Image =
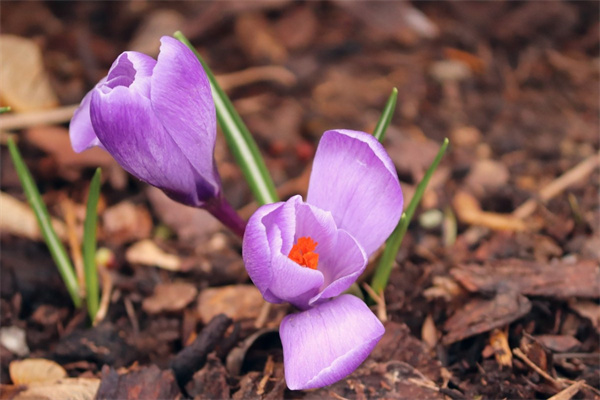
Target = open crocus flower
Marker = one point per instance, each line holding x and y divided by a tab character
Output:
306	253
157	119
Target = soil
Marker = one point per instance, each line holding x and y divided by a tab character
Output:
490	298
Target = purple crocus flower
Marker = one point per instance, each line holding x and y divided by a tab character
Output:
157	119
307	253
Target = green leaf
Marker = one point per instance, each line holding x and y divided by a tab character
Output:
4	110
238	138
57	250
392	245
386	116
89	246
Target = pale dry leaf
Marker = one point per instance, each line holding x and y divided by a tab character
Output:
429	333
146	252
64	389
18	219
235	301
24	84
170	297
35	370
14	339
126	222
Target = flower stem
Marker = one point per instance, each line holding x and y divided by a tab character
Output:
224	212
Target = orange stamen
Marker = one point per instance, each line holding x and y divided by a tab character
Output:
303	252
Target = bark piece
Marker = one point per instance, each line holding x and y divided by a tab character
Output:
481	315
146	383
192	358
559	280
210	382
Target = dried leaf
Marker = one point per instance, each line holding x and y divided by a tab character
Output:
170	297
24	85
235	301
125	222
35	370
429	333
146	252
499	342
13	338
64	389
18	219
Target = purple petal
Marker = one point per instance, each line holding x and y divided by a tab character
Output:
133	70
268	239
256	249
341	267
129	130
183	102
81	130
130	69
326	343
354	178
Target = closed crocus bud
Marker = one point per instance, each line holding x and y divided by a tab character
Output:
157	119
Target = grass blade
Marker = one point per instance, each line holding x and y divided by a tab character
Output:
57	250
238	138
392	245
386	116
89	246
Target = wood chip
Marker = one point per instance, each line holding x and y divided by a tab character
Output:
481	315
146	252
558	280
35	370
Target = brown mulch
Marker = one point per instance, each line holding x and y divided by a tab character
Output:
488	300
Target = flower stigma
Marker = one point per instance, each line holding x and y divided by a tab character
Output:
303	253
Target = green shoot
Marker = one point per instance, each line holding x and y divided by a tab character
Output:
57	250
386	116
89	246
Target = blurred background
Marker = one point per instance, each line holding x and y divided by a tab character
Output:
503	251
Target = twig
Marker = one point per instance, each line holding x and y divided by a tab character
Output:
379	300
569	392
263	315
131	314
107	285
47	117
574	175
518	353
74	244
256	74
